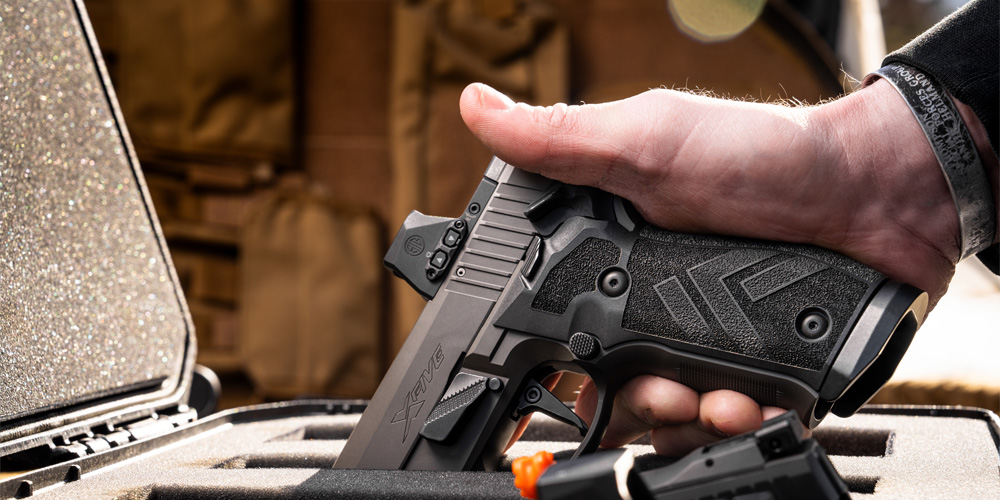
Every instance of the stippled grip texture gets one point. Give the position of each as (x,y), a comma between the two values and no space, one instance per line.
(576,274)
(741,296)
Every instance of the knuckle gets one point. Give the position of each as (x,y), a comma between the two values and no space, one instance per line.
(559,117)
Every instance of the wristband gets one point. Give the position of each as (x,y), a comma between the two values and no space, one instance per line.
(955,151)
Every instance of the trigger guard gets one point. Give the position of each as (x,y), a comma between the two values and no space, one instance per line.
(599,424)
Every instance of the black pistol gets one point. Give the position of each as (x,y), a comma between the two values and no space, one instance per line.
(538,276)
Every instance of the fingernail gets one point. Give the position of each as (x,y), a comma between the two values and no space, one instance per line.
(493,99)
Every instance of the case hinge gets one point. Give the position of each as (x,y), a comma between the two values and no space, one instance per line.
(98,439)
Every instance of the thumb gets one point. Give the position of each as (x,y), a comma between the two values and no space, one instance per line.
(593,144)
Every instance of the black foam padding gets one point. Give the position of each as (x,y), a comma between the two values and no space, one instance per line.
(326,432)
(575,274)
(738,300)
(855,442)
(371,484)
(884,456)
(861,484)
(289,461)
(362,485)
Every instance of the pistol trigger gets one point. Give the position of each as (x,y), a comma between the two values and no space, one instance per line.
(537,398)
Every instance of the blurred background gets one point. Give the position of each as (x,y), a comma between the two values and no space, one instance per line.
(284,141)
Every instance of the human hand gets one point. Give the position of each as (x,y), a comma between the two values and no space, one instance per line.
(679,419)
(855,176)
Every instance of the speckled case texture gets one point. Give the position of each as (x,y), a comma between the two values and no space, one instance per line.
(94,334)
(93,326)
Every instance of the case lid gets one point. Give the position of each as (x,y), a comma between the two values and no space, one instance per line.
(93,324)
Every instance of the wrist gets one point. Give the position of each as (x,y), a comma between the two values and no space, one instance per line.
(900,208)
(954,149)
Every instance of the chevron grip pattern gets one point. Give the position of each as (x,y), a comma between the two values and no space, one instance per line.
(742,296)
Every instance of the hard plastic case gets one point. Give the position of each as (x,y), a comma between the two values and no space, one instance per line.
(98,347)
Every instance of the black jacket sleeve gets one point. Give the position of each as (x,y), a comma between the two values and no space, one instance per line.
(961,52)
